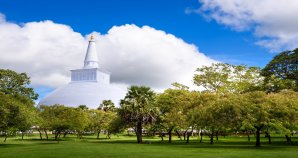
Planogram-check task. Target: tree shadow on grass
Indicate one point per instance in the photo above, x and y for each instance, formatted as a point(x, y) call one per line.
point(197, 144)
point(3, 145)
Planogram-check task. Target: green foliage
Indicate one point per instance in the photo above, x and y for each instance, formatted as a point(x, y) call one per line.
point(104, 120)
point(107, 105)
point(16, 114)
point(16, 84)
point(83, 107)
point(173, 105)
point(223, 78)
point(137, 108)
point(282, 72)
point(61, 119)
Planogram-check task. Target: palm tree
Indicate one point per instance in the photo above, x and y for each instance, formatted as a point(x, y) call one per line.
point(137, 108)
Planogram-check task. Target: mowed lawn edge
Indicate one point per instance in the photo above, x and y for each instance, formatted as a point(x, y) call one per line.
point(126, 146)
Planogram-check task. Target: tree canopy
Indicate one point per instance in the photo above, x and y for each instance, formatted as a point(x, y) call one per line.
point(137, 108)
point(223, 78)
point(282, 71)
point(15, 83)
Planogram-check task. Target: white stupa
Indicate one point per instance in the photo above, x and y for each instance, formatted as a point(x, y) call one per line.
point(89, 86)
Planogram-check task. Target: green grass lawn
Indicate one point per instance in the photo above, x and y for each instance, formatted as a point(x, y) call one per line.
point(125, 146)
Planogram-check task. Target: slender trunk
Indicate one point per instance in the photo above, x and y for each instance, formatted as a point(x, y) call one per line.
point(45, 131)
point(161, 134)
point(22, 135)
point(184, 135)
point(57, 133)
point(40, 134)
point(258, 141)
point(211, 138)
point(98, 132)
point(59, 137)
point(81, 134)
point(178, 134)
point(170, 134)
point(188, 135)
point(201, 140)
point(269, 138)
point(6, 135)
point(64, 135)
point(289, 139)
point(109, 135)
point(139, 132)
point(248, 137)
point(216, 134)
point(268, 135)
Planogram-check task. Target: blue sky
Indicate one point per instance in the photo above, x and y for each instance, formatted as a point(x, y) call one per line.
point(215, 40)
point(249, 32)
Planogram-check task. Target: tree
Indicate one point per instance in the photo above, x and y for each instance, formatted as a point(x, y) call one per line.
point(97, 121)
point(282, 72)
point(267, 111)
point(285, 110)
point(174, 105)
point(103, 120)
point(226, 78)
point(79, 120)
point(107, 105)
point(17, 107)
point(83, 107)
point(16, 114)
point(14, 83)
point(61, 119)
point(137, 108)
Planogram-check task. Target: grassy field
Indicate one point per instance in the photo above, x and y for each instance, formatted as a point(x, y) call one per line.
point(125, 146)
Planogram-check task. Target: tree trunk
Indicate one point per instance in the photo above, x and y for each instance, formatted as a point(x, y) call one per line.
point(40, 134)
point(45, 131)
point(109, 135)
point(22, 135)
point(161, 135)
point(269, 138)
point(178, 134)
point(211, 138)
point(216, 136)
point(98, 132)
point(59, 137)
point(248, 137)
point(201, 140)
point(188, 135)
point(170, 134)
point(57, 133)
point(64, 135)
point(289, 139)
point(139, 132)
point(258, 141)
point(6, 135)
point(184, 135)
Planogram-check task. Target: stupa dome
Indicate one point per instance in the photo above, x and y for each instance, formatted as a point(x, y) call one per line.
point(89, 86)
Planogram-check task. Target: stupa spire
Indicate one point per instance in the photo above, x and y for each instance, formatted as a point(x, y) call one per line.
point(91, 60)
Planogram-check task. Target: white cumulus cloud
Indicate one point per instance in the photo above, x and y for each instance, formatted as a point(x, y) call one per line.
point(274, 22)
point(134, 55)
